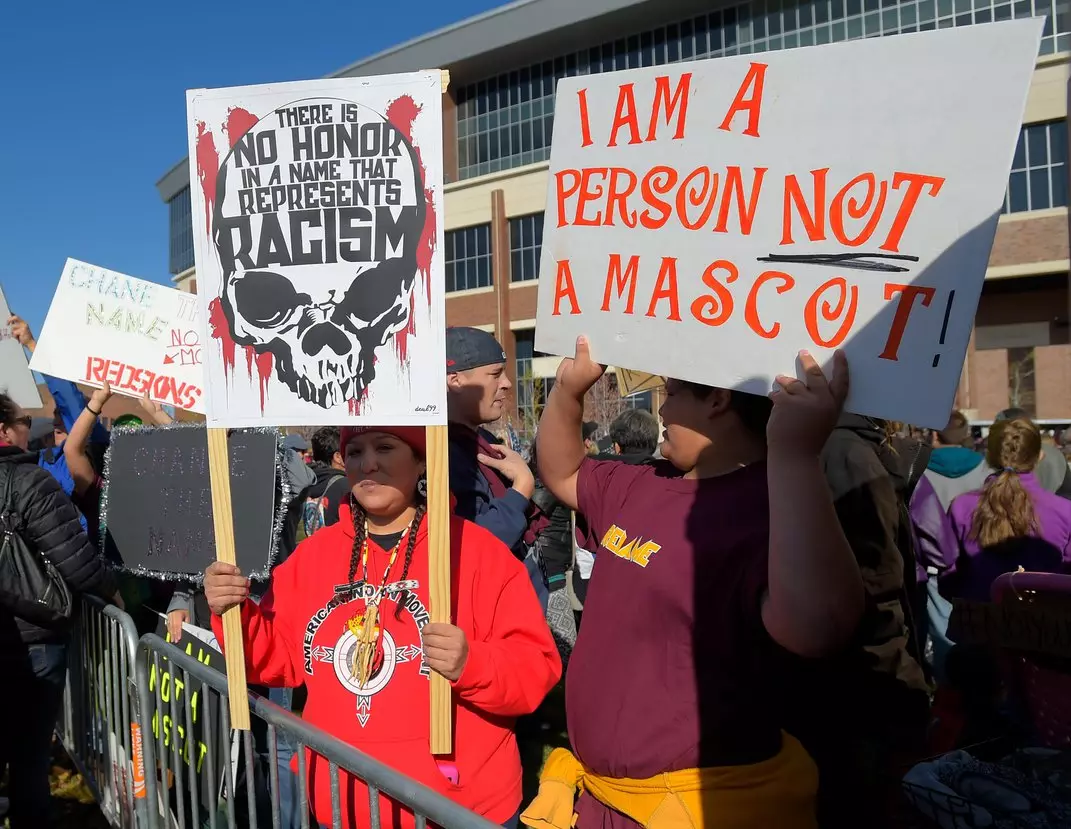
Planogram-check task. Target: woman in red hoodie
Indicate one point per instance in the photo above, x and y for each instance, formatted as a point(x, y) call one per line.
point(347, 614)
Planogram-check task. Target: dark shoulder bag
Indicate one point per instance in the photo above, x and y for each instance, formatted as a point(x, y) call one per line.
point(30, 585)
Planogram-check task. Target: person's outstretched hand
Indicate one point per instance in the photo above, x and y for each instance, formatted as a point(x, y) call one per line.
point(578, 374)
point(154, 410)
point(20, 330)
point(806, 411)
point(100, 397)
point(225, 587)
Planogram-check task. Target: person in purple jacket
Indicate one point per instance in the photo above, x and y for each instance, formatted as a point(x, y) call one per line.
point(953, 470)
point(1011, 522)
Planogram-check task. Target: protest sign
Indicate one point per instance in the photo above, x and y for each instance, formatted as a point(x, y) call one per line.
point(16, 379)
point(190, 738)
point(136, 335)
point(157, 511)
point(318, 241)
point(708, 220)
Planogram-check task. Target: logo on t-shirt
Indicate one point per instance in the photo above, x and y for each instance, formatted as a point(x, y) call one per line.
point(617, 541)
point(340, 656)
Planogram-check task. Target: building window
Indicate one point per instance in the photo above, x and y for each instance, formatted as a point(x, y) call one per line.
point(532, 391)
point(180, 218)
point(506, 121)
point(1039, 169)
point(644, 400)
point(525, 242)
point(468, 258)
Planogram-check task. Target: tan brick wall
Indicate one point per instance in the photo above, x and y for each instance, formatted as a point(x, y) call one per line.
point(1052, 379)
point(1030, 240)
point(990, 386)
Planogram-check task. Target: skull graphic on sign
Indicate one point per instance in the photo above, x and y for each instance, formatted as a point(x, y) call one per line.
point(316, 226)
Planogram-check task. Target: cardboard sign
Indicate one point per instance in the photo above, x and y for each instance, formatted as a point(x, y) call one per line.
point(636, 382)
point(192, 745)
point(16, 379)
point(709, 220)
point(137, 335)
point(156, 513)
point(318, 240)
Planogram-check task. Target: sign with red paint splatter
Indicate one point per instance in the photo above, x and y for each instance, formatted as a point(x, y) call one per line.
point(136, 335)
point(318, 238)
point(708, 220)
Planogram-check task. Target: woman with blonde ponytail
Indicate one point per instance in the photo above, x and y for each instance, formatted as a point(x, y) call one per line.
point(1012, 521)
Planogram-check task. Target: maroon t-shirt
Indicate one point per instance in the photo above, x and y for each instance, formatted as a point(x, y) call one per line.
point(673, 667)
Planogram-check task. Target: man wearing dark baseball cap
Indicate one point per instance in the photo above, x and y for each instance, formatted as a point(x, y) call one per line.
point(492, 483)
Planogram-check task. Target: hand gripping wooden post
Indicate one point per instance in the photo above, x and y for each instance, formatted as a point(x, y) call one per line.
point(439, 578)
point(219, 471)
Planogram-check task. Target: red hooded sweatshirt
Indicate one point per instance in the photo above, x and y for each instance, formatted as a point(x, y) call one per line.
point(299, 633)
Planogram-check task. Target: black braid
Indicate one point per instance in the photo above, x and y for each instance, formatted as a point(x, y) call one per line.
point(410, 546)
point(358, 537)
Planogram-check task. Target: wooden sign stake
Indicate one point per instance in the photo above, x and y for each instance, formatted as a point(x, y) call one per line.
point(219, 470)
point(439, 578)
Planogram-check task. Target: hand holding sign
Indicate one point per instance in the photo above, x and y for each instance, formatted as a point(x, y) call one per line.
point(580, 373)
point(805, 411)
point(225, 587)
point(20, 330)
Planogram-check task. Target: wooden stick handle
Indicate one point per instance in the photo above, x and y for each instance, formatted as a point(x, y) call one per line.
point(439, 578)
point(219, 471)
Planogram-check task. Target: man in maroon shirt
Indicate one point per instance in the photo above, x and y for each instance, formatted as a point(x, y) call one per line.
point(674, 668)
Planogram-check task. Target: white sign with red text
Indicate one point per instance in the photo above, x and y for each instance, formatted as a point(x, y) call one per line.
point(136, 335)
point(709, 220)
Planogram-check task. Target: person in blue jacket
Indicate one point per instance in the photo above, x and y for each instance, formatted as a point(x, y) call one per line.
point(491, 482)
point(70, 402)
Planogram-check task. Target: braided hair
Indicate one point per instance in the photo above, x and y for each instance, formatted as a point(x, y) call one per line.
point(359, 529)
point(421, 510)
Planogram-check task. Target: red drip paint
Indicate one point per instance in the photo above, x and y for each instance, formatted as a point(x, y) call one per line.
point(356, 403)
point(239, 122)
point(401, 339)
point(217, 321)
point(402, 112)
point(265, 365)
point(207, 170)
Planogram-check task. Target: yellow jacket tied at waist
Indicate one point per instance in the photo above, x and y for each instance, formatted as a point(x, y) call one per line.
point(779, 792)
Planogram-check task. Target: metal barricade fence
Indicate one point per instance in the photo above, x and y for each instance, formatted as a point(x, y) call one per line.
point(187, 747)
point(100, 722)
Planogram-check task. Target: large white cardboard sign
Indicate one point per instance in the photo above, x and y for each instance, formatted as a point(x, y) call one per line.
point(708, 220)
point(318, 238)
point(16, 379)
point(136, 335)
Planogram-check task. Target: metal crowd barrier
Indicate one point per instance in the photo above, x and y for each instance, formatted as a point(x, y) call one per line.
point(100, 721)
point(148, 726)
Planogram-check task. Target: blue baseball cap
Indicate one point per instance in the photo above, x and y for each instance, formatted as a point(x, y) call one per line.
point(468, 348)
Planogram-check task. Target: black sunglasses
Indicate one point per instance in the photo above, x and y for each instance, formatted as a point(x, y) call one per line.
point(25, 420)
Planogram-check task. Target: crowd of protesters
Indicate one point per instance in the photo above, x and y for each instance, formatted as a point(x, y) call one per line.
point(750, 609)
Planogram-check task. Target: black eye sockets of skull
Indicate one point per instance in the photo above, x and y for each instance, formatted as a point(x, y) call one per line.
point(316, 228)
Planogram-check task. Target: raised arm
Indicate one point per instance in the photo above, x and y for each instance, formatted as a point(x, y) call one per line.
point(559, 441)
point(815, 596)
point(74, 448)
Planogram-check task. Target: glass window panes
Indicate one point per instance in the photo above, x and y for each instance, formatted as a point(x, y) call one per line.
point(180, 242)
point(525, 242)
point(468, 258)
point(532, 391)
point(1039, 169)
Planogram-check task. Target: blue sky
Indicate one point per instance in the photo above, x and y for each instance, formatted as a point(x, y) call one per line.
point(94, 112)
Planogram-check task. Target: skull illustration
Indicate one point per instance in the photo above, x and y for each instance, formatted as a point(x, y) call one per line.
point(317, 228)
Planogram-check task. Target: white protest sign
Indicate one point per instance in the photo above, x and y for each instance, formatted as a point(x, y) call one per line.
point(16, 379)
point(318, 238)
point(708, 220)
point(137, 335)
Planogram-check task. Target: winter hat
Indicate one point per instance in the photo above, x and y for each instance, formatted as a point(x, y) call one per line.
point(415, 436)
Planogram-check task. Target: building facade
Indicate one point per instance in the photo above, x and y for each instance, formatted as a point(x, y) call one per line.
point(498, 115)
